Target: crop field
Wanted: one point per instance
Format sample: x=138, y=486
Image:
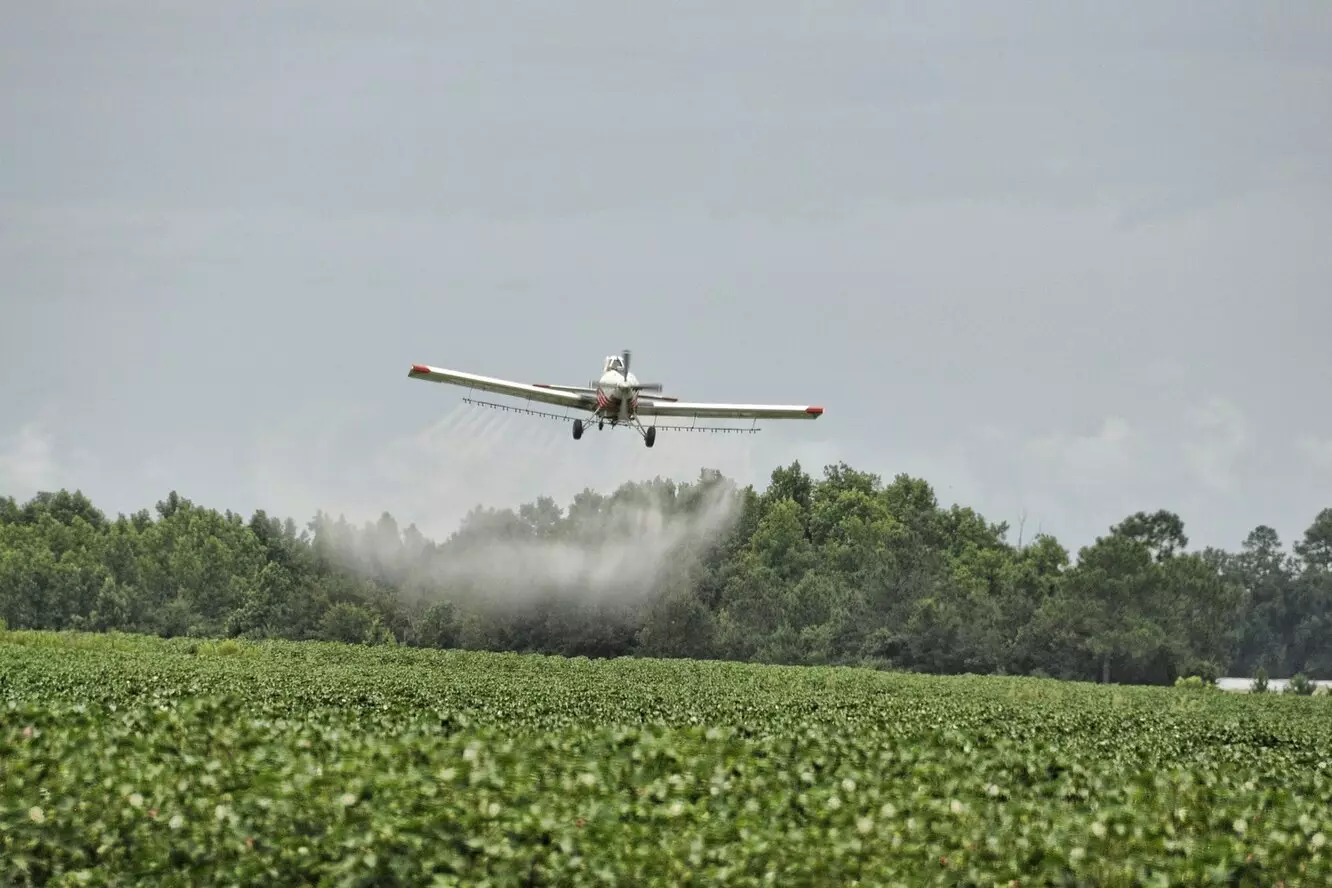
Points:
x=129, y=760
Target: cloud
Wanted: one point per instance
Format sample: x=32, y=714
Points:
x=1107, y=456
x=27, y=462
x=1224, y=437
x=1315, y=451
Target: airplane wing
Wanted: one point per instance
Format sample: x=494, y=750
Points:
x=699, y=410
x=576, y=389
x=543, y=393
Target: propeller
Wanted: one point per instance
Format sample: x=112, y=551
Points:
x=642, y=386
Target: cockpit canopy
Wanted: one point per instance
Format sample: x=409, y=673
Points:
x=614, y=362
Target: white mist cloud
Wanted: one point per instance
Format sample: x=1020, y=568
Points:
x=471, y=456
x=617, y=549
x=622, y=553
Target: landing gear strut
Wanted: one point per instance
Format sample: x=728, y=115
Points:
x=649, y=434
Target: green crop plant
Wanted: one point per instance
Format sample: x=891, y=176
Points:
x=151, y=761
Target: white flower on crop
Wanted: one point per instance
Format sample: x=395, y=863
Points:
x=37, y=815
x=136, y=800
x=864, y=825
x=348, y=799
x=1098, y=829
x=848, y=785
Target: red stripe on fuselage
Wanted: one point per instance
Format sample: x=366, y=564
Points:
x=605, y=402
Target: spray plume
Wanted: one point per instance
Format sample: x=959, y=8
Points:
x=607, y=549
x=619, y=547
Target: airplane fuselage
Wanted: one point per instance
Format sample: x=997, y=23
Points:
x=615, y=393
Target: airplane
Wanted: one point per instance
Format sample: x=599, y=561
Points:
x=617, y=398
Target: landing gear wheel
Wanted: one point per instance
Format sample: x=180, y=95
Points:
x=601, y=424
x=650, y=436
x=578, y=429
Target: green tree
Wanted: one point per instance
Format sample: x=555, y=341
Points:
x=353, y=624
x=842, y=569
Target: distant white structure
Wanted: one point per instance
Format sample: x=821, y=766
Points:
x=1274, y=685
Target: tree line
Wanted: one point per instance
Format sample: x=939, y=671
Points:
x=838, y=569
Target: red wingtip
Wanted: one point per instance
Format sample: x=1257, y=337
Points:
x=419, y=368
x=814, y=411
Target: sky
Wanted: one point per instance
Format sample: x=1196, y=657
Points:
x=1065, y=261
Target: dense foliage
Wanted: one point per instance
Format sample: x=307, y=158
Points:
x=843, y=569
x=132, y=760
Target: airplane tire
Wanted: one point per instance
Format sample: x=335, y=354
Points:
x=577, y=429
x=650, y=438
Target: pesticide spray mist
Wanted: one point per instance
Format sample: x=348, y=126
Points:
x=618, y=547
x=582, y=547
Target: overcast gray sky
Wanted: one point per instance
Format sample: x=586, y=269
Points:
x=1067, y=258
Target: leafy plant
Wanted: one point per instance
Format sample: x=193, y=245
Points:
x=1300, y=685
x=329, y=763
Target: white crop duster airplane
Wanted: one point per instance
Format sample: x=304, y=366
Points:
x=615, y=398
